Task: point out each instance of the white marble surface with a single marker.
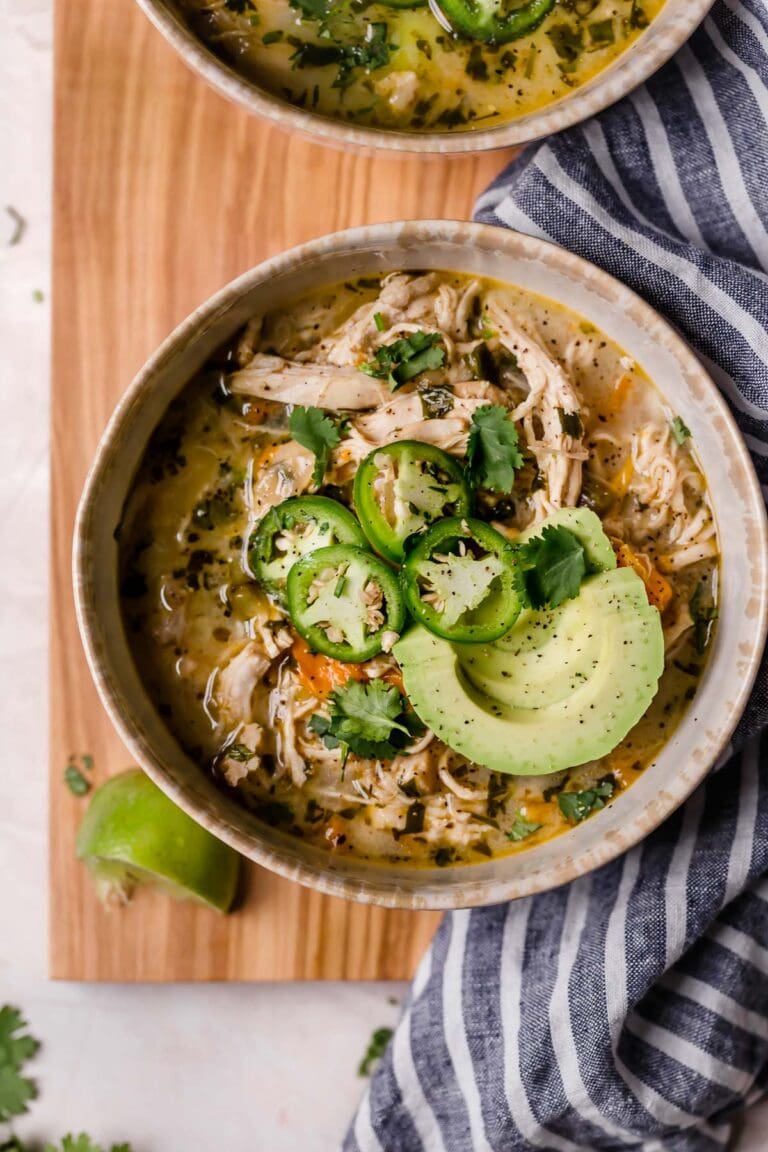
(237, 1068)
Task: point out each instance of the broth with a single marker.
(398, 68)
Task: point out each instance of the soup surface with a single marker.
(420, 568)
(450, 65)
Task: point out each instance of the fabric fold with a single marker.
(629, 1009)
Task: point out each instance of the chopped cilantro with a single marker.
(477, 65)
(75, 781)
(313, 9)
(601, 33)
(370, 52)
(521, 828)
(74, 778)
(703, 616)
(38, 296)
(493, 454)
(553, 566)
(405, 359)
(273, 37)
(638, 17)
(317, 432)
(680, 430)
(567, 41)
(240, 753)
(576, 806)
(570, 422)
(369, 720)
(375, 1050)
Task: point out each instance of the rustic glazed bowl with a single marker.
(654, 47)
(737, 502)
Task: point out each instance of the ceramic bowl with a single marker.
(738, 507)
(654, 47)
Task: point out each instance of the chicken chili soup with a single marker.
(414, 66)
(420, 569)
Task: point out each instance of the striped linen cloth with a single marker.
(629, 1009)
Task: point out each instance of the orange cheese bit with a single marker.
(320, 674)
(658, 590)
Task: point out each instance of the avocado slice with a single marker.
(563, 687)
(587, 529)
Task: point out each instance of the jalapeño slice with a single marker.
(460, 581)
(299, 525)
(344, 601)
(404, 487)
(493, 21)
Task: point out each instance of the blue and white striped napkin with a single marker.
(629, 1009)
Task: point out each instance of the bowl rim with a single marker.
(328, 881)
(634, 66)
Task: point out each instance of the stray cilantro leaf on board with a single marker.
(316, 432)
(553, 566)
(493, 451)
(74, 778)
(375, 1050)
(576, 806)
(521, 828)
(680, 430)
(38, 295)
(19, 226)
(369, 720)
(16, 1048)
(405, 359)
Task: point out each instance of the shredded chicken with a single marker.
(399, 90)
(322, 385)
(287, 471)
(550, 398)
(236, 683)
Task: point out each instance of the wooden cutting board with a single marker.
(163, 193)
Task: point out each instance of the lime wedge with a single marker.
(132, 834)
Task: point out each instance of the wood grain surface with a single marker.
(163, 193)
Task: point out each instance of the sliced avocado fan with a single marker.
(563, 687)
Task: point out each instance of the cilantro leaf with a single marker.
(16, 1047)
(405, 359)
(369, 720)
(521, 828)
(576, 806)
(680, 430)
(375, 1050)
(492, 450)
(553, 566)
(311, 428)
